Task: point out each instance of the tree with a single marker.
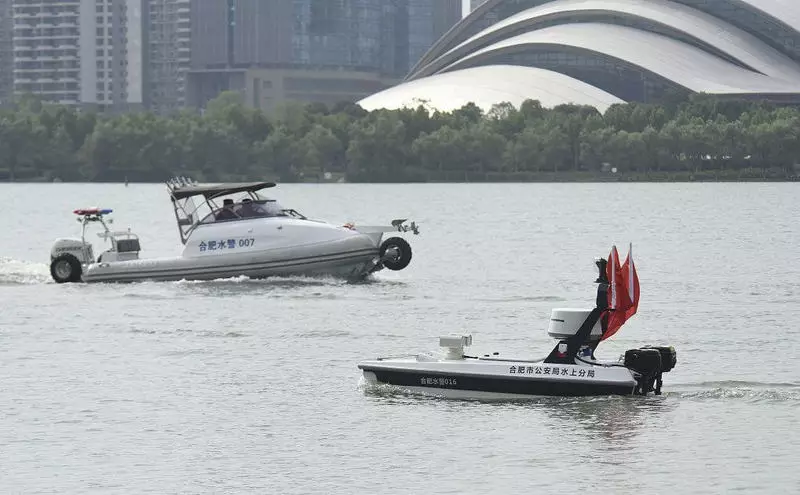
(276, 155)
(693, 135)
(525, 153)
(21, 139)
(223, 101)
(376, 151)
(319, 150)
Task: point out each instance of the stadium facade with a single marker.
(600, 52)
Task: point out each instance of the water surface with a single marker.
(240, 386)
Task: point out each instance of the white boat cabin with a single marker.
(229, 202)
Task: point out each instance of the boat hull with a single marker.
(346, 258)
(484, 380)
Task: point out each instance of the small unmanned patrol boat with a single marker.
(232, 232)
(571, 369)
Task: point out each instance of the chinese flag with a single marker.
(623, 291)
(631, 283)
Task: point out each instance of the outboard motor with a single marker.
(650, 363)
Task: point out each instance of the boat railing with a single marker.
(294, 213)
(118, 234)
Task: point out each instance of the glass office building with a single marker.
(310, 50)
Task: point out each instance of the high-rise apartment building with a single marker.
(78, 52)
(118, 39)
(6, 52)
(123, 53)
(46, 49)
(169, 51)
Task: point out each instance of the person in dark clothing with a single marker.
(248, 209)
(226, 213)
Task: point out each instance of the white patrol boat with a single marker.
(571, 369)
(233, 231)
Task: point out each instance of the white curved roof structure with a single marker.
(740, 46)
(489, 85)
(673, 60)
(608, 51)
(785, 11)
(778, 12)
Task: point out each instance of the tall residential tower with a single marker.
(167, 54)
(78, 52)
(6, 52)
(169, 51)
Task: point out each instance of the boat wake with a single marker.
(283, 286)
(19, 272)
(16, 272)
(287, 282)
(755, 392)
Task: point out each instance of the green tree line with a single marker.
(693, 138)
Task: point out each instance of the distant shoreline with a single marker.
(686, 138)
(547, 178)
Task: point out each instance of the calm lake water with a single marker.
(241, 386)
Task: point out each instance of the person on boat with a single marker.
(273, 209)
(226, 212)
(248, 209)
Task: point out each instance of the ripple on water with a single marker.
(753, 392)
(315, 334)
(518, 299)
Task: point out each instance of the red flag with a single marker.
(631, 283)
(613, 275)
(623, 292)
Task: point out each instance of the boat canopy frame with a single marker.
(183, 190)
(190, 189)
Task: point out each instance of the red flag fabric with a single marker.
(613, 275)
(631, 283)
(623, 291)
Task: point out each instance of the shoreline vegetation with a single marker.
(697, 138)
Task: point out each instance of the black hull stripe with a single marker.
(219, 269)
(497, 384)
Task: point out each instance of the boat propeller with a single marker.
(398, 224)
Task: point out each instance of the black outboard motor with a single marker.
(650, 363)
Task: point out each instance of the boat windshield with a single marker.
(247, 208)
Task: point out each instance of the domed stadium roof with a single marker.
(601, 51)
(490, 84)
